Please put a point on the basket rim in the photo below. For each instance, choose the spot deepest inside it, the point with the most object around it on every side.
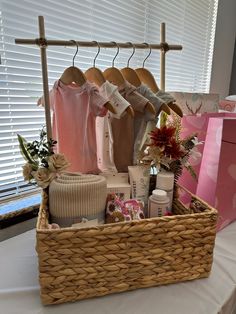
(209, 212)
(134, 222)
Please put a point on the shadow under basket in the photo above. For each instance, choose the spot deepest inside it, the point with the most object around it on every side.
(76, 264)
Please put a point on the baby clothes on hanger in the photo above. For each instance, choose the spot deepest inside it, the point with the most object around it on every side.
(149, 122)
(104, 135)
(123, 129)
(166, 97)
(146, 122)
(74, 112)
(153, 98)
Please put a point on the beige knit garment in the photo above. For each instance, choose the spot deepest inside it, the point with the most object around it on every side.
(74, 196)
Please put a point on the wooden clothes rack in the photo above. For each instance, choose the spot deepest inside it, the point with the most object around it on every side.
(42, 42)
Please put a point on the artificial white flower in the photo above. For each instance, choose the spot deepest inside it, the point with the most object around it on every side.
(27, 171)
(196, 141)
(57, 163)
(43, 177)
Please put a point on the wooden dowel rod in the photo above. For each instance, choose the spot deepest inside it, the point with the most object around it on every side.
(51, 42)
(43, 43)
(45, 78)
(162, 57)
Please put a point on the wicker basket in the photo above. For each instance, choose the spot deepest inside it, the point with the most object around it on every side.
(77, 264)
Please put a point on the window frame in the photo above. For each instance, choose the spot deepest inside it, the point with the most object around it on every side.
(167, 57)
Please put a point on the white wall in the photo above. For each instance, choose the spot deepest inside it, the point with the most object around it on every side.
(232, 89)
(224, 47)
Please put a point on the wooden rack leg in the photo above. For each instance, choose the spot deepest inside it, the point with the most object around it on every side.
(163, 117)
(162, 56)
(45, 76)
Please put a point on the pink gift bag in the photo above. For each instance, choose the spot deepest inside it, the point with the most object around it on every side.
(196, 124)
(193, 124)
(217, 178)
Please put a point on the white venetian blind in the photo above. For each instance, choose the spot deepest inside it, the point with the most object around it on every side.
(189, 22)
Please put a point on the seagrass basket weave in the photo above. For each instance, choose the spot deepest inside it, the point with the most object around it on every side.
(77, 264)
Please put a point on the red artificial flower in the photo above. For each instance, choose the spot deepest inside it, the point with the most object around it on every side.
(173, 150)
(162, 137)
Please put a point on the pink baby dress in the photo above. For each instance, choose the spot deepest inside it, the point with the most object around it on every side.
(74, 114)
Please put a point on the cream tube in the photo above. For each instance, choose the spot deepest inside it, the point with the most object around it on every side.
(139, 180)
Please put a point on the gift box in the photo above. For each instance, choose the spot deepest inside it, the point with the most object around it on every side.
(228, 105)
(197, 124)
(217, 178)
(117, 183)
(195, 103)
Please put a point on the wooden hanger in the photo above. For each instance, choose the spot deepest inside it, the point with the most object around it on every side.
(173, 106)
(96, 76)
(73, 74)
(113, 74)
(147, 78)
(76, 76)
(131, 76)
(129, 73)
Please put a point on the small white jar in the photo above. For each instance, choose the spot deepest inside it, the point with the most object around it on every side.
(158, 204)
(165, 181)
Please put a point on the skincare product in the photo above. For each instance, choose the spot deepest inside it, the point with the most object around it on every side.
(158, 204)
(118, 210)
(117, 183)
(139, 180)
(165, 181)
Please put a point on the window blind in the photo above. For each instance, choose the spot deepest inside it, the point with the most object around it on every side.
(190, 23)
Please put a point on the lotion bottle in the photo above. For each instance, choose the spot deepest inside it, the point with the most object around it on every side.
(165, 181)
(158, 204)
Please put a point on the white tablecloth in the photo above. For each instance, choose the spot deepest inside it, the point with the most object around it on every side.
(19, 290)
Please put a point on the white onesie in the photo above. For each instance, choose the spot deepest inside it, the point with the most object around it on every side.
(104, 136)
